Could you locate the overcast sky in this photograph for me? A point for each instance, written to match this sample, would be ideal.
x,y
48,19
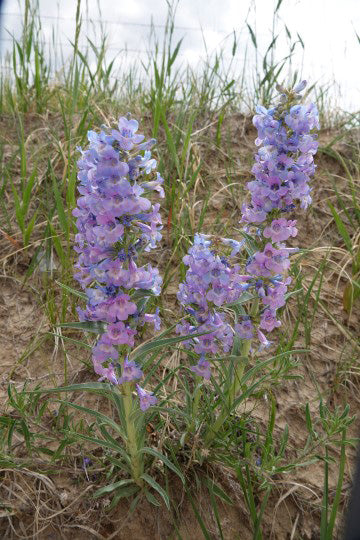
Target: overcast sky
x,y
327,27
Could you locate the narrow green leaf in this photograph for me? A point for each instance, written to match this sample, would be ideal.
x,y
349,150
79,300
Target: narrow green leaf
x,y
111,487
149,480
26,196
215,508
18,208
341,228
152,500
103,388
87,326
59,204
325,502
308,420
164,459
159,343
29,229
337,497
252,35
199,518
72,291
102,443
58,247
144,293
170,142
219,492
75,341
246,297
99,416
257,532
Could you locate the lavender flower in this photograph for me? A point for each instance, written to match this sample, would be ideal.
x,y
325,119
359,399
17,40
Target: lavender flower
x,y
264,342
116,222
120,334
280,230
245,329
202,368
130,372
268,320
126,134
147,399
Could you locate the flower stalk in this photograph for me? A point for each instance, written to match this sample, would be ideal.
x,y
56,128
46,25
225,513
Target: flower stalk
x,y
116,224
136,461
195,403
233,391
215,284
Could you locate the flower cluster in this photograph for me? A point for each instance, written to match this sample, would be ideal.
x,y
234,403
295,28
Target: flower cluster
x,y
283,166
211,282
116,222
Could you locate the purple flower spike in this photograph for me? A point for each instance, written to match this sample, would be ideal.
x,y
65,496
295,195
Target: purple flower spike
x,y
210,283
116,223
284,162
147,399
284,165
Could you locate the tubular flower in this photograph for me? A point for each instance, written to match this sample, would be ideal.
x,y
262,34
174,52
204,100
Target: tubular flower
x,y
147,399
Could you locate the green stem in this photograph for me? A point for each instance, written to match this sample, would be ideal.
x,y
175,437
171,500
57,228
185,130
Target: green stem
x,y
232,392
239,370
236,384
132,446
196,402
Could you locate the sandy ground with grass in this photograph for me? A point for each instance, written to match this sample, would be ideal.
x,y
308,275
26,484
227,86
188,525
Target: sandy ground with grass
x,y
47,501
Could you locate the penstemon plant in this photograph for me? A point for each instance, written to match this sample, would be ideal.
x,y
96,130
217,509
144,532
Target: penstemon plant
x,y
116,224
218,290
